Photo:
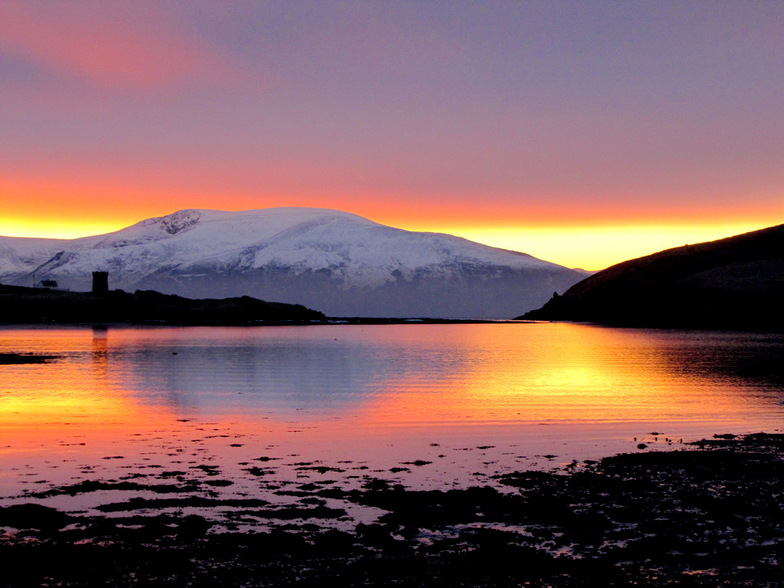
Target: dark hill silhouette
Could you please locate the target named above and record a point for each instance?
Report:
(20, 305)
(733, 283)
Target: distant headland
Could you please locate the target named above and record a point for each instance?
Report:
(48, 305)
(733, 283)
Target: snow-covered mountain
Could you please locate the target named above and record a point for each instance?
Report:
(335, 262)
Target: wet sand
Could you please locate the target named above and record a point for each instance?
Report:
(706, 514)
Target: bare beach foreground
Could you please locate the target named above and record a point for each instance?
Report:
(706, 515)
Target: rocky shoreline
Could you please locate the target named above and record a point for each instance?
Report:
(708, 515)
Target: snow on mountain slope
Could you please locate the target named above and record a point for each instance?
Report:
(336, 262)
(23, 255)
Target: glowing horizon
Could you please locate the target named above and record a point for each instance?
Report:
(581, 134)
(588, 246)
(594, 248)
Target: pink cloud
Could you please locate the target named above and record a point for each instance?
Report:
(120, 45)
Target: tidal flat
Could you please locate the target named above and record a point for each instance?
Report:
(707, 513)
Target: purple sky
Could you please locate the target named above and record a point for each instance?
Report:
(426, 114)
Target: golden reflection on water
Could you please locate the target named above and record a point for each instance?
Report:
(567, 373)
(43, 405)
(465, 398)
(368, 378)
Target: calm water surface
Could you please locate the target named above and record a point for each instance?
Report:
(472, 400)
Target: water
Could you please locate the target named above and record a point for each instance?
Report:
(428, 405)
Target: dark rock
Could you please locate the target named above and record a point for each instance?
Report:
(33, 516)
(24, 358)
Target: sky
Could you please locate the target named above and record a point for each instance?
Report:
(582, 132)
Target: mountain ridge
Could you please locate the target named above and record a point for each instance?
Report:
(336, 262)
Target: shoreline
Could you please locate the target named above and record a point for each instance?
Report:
(328, 321)
(706, 515)
(23, 306)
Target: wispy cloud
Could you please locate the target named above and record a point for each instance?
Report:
(123, 46)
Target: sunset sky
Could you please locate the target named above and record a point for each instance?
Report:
(584, 133)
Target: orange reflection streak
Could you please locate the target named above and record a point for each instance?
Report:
(574, 374)
(125, 402)
(54, 404)
(476, 376)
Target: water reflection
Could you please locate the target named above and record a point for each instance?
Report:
(568, 373)
(399, 375)
(100, 357)
(464, 398)
(270, 376)
(75, 393)
(736, 357)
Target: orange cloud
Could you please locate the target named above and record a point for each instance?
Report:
(128, 45)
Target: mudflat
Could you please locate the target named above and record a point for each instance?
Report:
(705, 515)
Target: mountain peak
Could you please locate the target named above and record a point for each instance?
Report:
(175, 222)
(333, 261)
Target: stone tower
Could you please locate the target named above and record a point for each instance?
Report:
(100, 282)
